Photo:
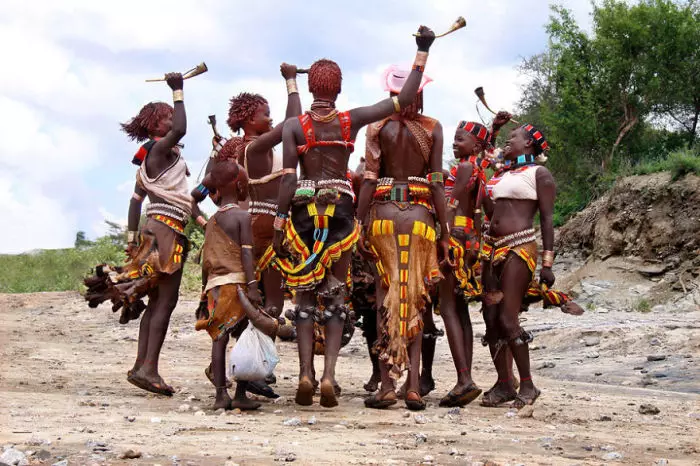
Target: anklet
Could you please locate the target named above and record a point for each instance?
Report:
(526, 379)
(466, 369)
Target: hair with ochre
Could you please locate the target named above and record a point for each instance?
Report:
(242, 107)
(325, 78)
(146, 122)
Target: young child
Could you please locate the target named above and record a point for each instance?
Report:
(227, 265)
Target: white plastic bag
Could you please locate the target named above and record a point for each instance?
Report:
(253, 357)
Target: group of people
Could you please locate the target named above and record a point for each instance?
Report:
(387, 243)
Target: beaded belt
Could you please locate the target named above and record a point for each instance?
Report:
(512, 240)
(168, 210)
(309, 188)
(260, 207)
(402, 191)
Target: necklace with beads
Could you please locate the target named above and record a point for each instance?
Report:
(323, 104)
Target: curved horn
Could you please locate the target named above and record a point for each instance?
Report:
(196, 71)
(458, 24)
(479, 91)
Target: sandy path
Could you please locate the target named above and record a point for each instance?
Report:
(62, 380)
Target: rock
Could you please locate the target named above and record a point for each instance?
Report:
(312, 420)
(545, 365)
(655, 342)
(455, 411)
(612, 456)
(649, 409)
(648, 380)
(591, 341)
(454, 451)
(421, 438)
(428, 459)
(656, 357)
(155, 420)
(130, 418)
(695, 416)
(13, 457)
(511, 413)
(292, 422)
(291, 457)
(598, 373)
(37, 442)
(231, 463)
(526, 411)
(200, 413)
(406, 414)
(661, 462)
(626, 383)
(43, 455)
(339, 427)
(220, 411)
(61, 463)
(184, 408)
(130, 455)
(592, 355)
(420, 419)
(236, 411)
(638, 368)
(604, 418)
(653, 270)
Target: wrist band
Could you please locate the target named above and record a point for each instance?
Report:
(178, 96)
(247, 246)
(452, 203)
(289, 171)
(131, 236)
(280, 221)
(137, 197)
(436, 177)
(477, 211)
(421, 60)
(547, 258)
(201, 221)
(397, 105)
(292, 86)
(251, 282)
(370, 175)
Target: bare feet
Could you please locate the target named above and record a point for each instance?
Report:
(305, 392)
(328, 393)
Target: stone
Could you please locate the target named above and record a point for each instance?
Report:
(43, 455)
(526, 411)
(511, 413)
(591, 341)
(155, 420)
(455, 411)
(339, 427)
(312, 420)
(200, 413)
(592, 355)
(604, 418)
(661, 462)
(655, 342)
(545, 365)
(37, 441)
(612, 456)
(421, 438)
(420, 419)
(130, 455)
(428, 459)
(292, 422)
(184, 408)
(61, 463)
(220, 411)
(130, 418)
(649, 409)
(656, 357)
(13, 457)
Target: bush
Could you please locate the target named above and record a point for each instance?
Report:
(683, 162)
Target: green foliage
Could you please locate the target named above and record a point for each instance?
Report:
(55, 270)
(616, 101)
(643, 306)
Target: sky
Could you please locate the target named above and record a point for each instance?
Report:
(74, 69)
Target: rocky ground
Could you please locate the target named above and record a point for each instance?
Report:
(620, 384)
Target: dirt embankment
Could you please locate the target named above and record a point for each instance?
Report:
(652, 223)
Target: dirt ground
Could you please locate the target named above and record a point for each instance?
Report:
(64, 396)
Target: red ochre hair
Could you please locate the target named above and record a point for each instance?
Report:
(243, 106)
(146, 122)
(225, 170)
(325, 78)
(233, 149)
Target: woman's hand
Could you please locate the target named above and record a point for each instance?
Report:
(425, 39)
(174, 80)
(278, 244)
(547, 276)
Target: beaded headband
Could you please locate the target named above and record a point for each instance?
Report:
(478, 130)
(537, 136)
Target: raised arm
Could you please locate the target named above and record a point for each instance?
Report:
(288, 183)
(179, 127)
(546, 194)
(270, 139)
(362, 116)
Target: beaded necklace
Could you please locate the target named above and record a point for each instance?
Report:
(323, 104)
(228, 207)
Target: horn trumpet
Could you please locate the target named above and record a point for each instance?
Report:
(458, 24)
(196, 71)
(479, 91)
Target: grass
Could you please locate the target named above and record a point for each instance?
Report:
(643, 306)
(679, 163)
(54, 269)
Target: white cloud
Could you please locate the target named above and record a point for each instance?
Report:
(76, 68)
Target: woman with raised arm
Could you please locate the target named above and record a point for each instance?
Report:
(313, 244)
(157, 254)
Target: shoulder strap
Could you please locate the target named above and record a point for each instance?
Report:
(308, 128)
(345, 126)
(143, 151)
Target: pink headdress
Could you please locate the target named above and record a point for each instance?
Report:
(395, 78)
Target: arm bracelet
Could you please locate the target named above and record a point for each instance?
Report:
(547, 258)
(178, 96)
(436, 177)
(420, 61)
(292, 86)
(397, 105)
